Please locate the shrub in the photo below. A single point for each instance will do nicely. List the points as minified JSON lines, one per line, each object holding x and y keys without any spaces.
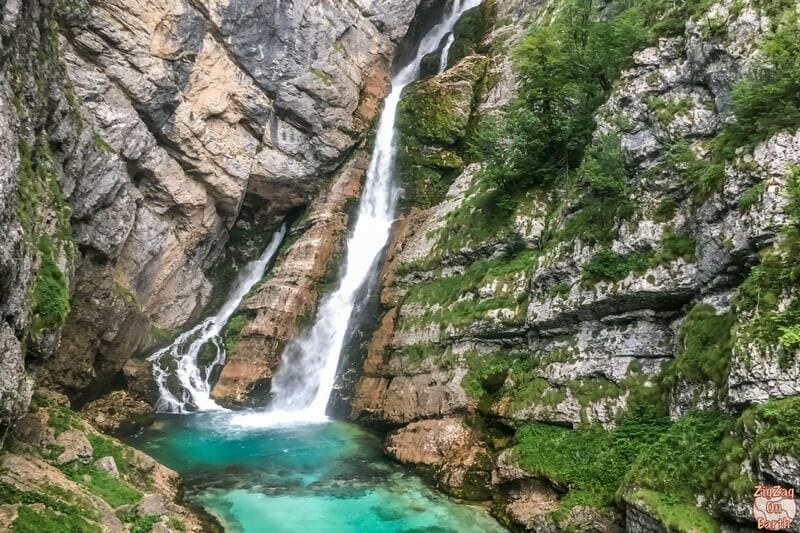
{"x":51,"y":293}
{"x":706,"y":343}
{"x":609,"y":266}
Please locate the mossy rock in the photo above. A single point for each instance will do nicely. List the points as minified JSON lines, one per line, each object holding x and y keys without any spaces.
{"x":437,"y":110}
{"x":469,"y":31}
{"x":430,"y":64}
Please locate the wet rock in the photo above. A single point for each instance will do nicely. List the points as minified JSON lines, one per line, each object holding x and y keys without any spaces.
{"x":450,"y":448}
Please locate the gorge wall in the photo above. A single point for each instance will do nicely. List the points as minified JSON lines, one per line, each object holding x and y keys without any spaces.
{"x":570,"y":332}
{"x":588,"y":310}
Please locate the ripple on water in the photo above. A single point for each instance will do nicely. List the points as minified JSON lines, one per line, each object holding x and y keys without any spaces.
{"x":304,"y":478}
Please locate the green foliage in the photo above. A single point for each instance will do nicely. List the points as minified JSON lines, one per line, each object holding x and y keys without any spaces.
{"x":701,"y":176}
{"x":566,"y":71}
{"x":591,"y":463}
{"x":176,"y":524}
{"x":606,"y":265}
{"x":105,"y":447}
{"x":773,"y":427}
{"x":665,"y":210}
{"x":609,"y":266}
{"x":666,"y":110}
{"x":751,"y":196}
{"x":234,"y":328}
{"x":674,"y":246}
{"x":706,"y":342}
{"x":674,"y":512}
{"x":469,"y":32}
{"x":768,"y":100}
{"x":51,"y":293}
{"x":61,"y":419}
{"x":761,"y":296}
{"x":445,"y":290}
{"x":685,"y":460}
{"x":58,"y":516}
{"x":322,"y":76}
{"x":35,"y":521}
{"x":139,"y":523}
{"x":113,"y":491}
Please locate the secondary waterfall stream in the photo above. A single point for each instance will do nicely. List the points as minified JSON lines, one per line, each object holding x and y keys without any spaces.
{"x":193,"y":377}
{"x":302,"y":386}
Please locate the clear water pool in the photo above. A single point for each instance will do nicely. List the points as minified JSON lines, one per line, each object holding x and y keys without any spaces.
{"x":329,"y":477}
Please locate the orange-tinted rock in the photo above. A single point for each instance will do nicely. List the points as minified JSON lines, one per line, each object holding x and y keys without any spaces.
{"x":291,"y":294}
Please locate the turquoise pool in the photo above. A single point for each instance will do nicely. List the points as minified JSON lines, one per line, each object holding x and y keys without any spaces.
{"x":329,"y":477}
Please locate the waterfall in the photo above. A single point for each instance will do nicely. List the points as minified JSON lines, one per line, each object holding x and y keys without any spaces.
{"x":446,"y":52}
{"x":183,"y":353}
{"x":302,"y":386}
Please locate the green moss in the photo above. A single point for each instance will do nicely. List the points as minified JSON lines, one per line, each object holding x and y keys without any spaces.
{"x":674,"y":513}
{"x":113,"y":491}
{"x":706,"y":343}
{"x":233,"y":329}
{"x":140,"y":523}
{"x":437,"y":111}
{"x":51,"y":294}
{"x":176,"y":524}
{"x":468,"y":33}
{"x":34,"y":521}
{"x":101,"y":144}
{"x":323,"y":76}
{"x":105,"y":447}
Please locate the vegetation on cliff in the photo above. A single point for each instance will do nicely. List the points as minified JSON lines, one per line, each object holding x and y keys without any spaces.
{"x":547,"y":145}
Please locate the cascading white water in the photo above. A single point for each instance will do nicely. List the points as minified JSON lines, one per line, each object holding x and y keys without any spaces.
{"x":446,"y":52}
{"x":184,"y":351}
{"x":302,"y":386}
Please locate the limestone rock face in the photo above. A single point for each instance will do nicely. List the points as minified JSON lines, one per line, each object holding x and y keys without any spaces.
{"x":450,"y":449}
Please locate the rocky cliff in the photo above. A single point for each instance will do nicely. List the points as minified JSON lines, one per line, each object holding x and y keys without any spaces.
{"x":593,"y":283}
{"x":589,"y":307}
{"x":139,"y":139}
